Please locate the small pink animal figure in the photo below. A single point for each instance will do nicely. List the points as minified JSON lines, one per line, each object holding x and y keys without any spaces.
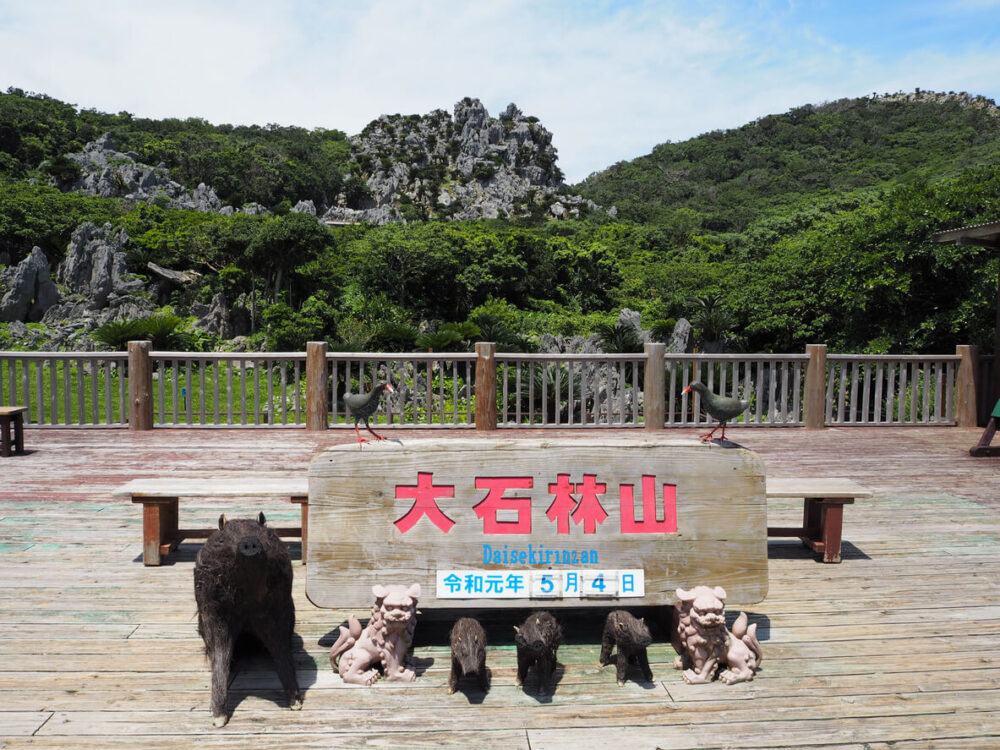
{"x":385,"y":641}
{"x":704,"y":643}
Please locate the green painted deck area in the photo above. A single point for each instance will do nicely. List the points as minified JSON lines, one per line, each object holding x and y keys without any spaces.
{"x":894,"y":647}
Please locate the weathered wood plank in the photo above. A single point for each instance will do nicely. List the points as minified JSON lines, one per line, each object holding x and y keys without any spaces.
{"x":237,"y":485}
{"x":797,"y":734}
{"x":21,"y":723}
{"x":402,"y":513}
{"x":330,"y":738}
{"x":794,"y":717}
{"x":891,"y":647}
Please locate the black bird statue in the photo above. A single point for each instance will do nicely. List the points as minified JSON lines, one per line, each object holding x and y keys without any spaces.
{"x":718,"y":407}
{"x":363,"y":405}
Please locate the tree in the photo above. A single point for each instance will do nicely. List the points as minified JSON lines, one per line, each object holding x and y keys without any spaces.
{"x":282,"y":244}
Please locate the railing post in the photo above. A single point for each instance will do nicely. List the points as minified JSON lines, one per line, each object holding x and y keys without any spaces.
{"x":486,"y":385}
{"x":653,"y":384}
{"x":140,"y":386}
{"x":815,"y":403}
{"x":316,"y":403}
{"x":966,"y":403}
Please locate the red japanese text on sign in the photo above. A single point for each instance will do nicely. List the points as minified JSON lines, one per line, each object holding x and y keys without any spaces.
{"x":425,"y":493}
{"x":648,"y":524}
{"x":590,"y":512}
{"x":563,"y":503}
{"x":587,"y":510}
{"x":578,"y":501}
{"x":496,"y":501}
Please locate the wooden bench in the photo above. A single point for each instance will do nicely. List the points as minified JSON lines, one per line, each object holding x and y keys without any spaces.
{"x":159,"y":498}
{"x":823,"y":514}
{"x":12,"y":419}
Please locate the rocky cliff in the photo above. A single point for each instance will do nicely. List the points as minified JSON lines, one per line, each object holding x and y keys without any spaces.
{"x":466,"y":166}
{"x":433,"y":166}
{"x":109,"y":173}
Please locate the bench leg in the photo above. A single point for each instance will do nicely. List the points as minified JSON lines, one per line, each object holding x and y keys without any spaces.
{"x":19,"y":433}
{"x":812,"y":524}
{"x":5,"y":435}
{"x":812,"y":518}
{"x":159,"y":527}
{"x":831,"y":530}
{"x":982,"y":448}
{"x":822,"y":522}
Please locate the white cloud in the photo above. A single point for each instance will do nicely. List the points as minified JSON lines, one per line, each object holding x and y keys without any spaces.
{"x":610,"y":79}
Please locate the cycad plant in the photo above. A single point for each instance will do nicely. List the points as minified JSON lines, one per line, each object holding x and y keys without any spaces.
{"x":618,"y":338}
{"x":161,"y":330}
{"x":711,"y":317}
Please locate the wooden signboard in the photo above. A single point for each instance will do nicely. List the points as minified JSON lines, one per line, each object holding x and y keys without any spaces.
{"x":589,"y":521}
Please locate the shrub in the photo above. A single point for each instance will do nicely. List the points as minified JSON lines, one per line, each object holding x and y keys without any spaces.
{"x":618,"y":338}
{"x":439,"y":341}
{"x":483,"y":171}
{"x":662,"y":329}
{"x":394,"y":337}
{"x":161,"y":330}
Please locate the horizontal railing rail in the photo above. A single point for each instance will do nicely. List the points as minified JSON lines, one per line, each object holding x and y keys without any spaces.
{"x":141,"y":389}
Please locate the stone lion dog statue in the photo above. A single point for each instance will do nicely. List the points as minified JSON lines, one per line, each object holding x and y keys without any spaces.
{"x":706,"y":646}
{"x":385,"y":641}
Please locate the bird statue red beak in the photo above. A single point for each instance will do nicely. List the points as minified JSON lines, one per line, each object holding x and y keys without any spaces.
{"x":686,"y":390}
{"x":388,"y":387}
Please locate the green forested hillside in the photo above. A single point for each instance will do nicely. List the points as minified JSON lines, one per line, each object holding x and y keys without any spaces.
{"x":809,"y":226}
{"x":724,"y":180}
{"x":266,"y":165}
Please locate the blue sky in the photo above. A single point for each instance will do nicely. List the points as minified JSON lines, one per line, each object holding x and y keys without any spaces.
{"x":609,"y":79}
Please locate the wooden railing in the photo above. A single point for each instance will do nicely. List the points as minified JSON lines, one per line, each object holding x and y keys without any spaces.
{"x":489,"y":390}
{"x":194,"y":389}
{"x":570,"y":390}
{"x":773,"y":384}
{"x":891,"y":389}
{"x":431,"y":390}
{"x":60,"y":388}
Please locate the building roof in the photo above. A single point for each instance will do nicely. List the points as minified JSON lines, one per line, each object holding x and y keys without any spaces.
{"x":985,"y":235}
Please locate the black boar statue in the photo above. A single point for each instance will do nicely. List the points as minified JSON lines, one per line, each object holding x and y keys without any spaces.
{"x":537,"y":640}
{"x":468,"y":654}
{"x":630,"y":637}
{"x":243,"y":584}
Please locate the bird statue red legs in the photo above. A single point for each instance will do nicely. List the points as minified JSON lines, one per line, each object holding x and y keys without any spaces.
{"x":363,"y":405}
{"x":369,"y":428}
{"x":707,"y":437}
{"x":718,"y":407}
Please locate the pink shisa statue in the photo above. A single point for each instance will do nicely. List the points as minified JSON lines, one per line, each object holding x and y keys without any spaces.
{"x":705,"y":646}
{"x":386,"y":640}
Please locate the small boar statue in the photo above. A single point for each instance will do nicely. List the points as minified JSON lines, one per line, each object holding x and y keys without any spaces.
{"x":631,"y":638}
{"x":384,"y":643}
{"x":468,"y":653}
{"x":706,"y":647}
{"x":243,"y":583}
{"x":537,"y":640}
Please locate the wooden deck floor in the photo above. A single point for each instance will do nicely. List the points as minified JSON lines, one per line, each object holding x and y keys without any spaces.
{"x":896,"y":647}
